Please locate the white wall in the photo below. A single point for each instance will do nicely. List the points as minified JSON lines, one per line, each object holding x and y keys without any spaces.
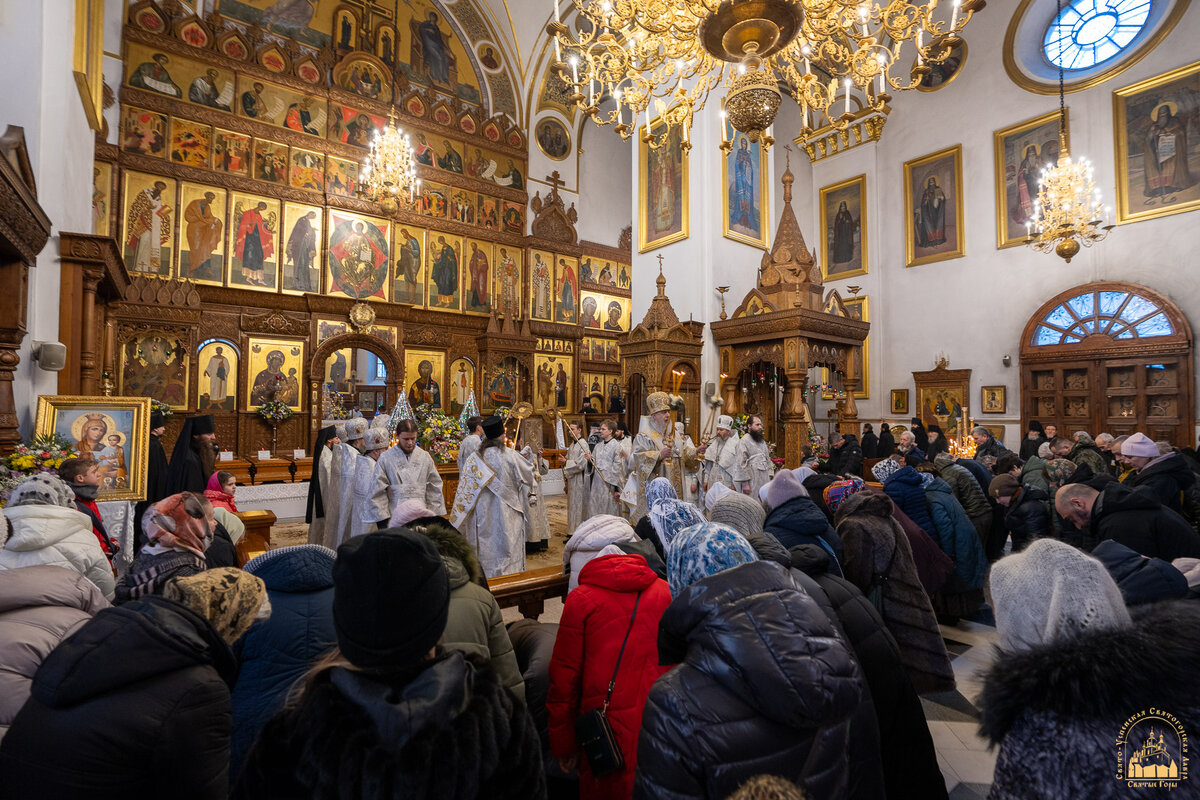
{"x":605,"y":182}
{"x":40,"y":95}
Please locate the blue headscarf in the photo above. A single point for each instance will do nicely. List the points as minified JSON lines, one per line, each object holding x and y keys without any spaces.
{"x":660,"y":489}
{"x":669,"y":517}
{"x":703,"y":550}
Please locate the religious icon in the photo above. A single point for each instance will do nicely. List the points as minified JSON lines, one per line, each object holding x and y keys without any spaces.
{"x":1022,"y":151}
{"x":211,"y":90}
{"x":566,"y":290}
{"x":218,"y":363}
{"x":1158,"y":145}
{"x":462,"y":380}
{"x":507,"y":291}
{"x":253,"y":229}
{"x":202,"y":245}
{"x":354,"y":127}
{"x":942,"y":405}
{"x":994,"y":399}
{"x":432,"y":201}
{"x":662,"y":190}
{"x":553,"y":139}
{"x":746,"y":193}
{"x":941,"y":73}
{"x":102,"y":175}
{"x":302,"y":241}
{"x":623,"y":277}
{"x":489,"y":215}
{"x":153,"y":74}
{"x":445,"y":258}
{"x":899,"y":401}
{"x":149,"y":206}
{"x":345,"y":30}
{"x":155,"y":364}
{"x":341,"y":177}
{"x":358,"y":255}
{"x":511,"y":177}
{"x":231,"y":152}
{"x":423,"y":372}
{"x":615,"y":311}
{"x":337,"y":370}
{"x":111,"y":431}
{"x":385,"y":45}
{"x":462,"y":206}
{"x":589,"y":310}
{"x":430,"y":56}
{"x":409,"y":286}
{"x":275,"y":370}
{"x":144,"y":132}
{"x":844,"y":229}
{"x":553,"y":382}
{"x":611,"y":351}
{"x":364,"y":76}
{"x":190,"y":143}
{"x":307,"y":170}
{"x":270,"y":161}
{"x":541,"y":302}
{"x":514,"y":218}
{"x":933,"y":207}
{"x":450,"y":159}
{"x":477,"y":278}
{"x":488,"y":57}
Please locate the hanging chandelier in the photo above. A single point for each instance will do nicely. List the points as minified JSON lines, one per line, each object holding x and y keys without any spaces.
{"x":389,"y":171}
{"x":1068,"y":213}
{"x":666,"y":56}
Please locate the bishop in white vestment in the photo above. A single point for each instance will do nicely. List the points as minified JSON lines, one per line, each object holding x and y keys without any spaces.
{"x":657,"y":453}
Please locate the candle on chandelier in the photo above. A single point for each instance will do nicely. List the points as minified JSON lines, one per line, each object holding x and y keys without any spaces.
{"x":557,"y":13}
{"x":803,"y":113}
{"x":954,"y":17}
{"x":920,"y":59}
{"x":723,"y":139}
{"x":647,"y":118}
{"x":574,"y":69}
{"x":847,"y":95}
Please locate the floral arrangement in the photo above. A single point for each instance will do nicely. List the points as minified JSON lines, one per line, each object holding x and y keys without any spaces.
{"x":42,"y":454}
{"x":818,"y":445}
{"x":162,"y":408}
{"x":439,"y":434}
{"x":275,"y":412}
{"x":339,"y":412}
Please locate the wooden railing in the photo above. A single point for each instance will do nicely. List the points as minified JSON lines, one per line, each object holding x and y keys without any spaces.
{"x":530,"y":590}
{"x":257,"y":538}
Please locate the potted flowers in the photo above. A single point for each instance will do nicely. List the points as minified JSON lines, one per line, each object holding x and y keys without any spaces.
{"x":274,"y":412}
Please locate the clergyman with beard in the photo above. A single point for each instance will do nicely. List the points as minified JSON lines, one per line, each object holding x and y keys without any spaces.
{"x":195,"y":456}
{"x":658,"y":451}
{"x":752,"y":465}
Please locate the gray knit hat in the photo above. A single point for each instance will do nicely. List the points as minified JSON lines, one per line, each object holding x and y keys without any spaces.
{"x":740,"y":512}
{"x":1051,"y":591}
{"x":42,"y":489}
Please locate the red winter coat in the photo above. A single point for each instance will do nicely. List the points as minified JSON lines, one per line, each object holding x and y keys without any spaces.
{"x":594,"y":621}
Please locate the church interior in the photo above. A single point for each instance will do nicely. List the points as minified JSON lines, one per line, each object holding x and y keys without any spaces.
{"x":793,"y":230}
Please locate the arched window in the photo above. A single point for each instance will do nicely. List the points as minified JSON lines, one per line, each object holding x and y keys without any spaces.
{"x":1088,"y":32}
{"x":1119,"y":314}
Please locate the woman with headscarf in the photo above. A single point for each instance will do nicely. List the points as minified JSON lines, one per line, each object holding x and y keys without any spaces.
{"x":592,"y":536}
{"x":179,"y":531}
{"x":746,"y":516}
{"x":793,"y":518}
{"x":764,"y":684}
{"x":1074,"y":665}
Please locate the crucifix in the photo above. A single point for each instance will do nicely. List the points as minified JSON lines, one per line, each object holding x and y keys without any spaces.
{"x":555,"y":182}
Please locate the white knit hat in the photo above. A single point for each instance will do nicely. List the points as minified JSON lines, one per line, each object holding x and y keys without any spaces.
{"x":715,"y":493}
{"x":1052,"y":591}
{"x":1140,"y":445}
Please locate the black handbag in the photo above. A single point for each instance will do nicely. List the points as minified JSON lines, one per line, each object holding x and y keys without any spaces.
{"x":592,"y":729}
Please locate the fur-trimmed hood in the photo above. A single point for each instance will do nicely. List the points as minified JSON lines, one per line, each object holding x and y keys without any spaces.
{"x":1107,"y":675}
{"x":452,"y":545}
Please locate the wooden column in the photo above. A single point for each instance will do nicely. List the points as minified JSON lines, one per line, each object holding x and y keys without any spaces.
{"x":92,"y":272}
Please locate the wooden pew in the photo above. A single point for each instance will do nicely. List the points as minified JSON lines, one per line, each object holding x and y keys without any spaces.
{"x":257,"y":539}
{"x":530,"y":590}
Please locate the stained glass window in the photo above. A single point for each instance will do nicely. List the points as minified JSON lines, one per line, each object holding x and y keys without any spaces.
{"x":1121,"y":315}
{"x":1088,"y":32}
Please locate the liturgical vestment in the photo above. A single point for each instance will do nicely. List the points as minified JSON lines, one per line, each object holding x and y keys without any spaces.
{"x":753,"y":465}
{"x":577,"y":473}
{"x":498,"y":524}
{"x":406,"y":477}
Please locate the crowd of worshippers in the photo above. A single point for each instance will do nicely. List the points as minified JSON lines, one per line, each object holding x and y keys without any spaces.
{"x":773,"y":643}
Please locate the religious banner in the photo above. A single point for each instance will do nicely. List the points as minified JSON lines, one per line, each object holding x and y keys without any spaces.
{"x":231,"y":152}
{"x":191,"y":143}
{"x":541,"y":282}
{"x":462,"y":381}
{"x":844,"y":229}
{"x":202,"y":242}
{"x":553,"y":382}
{"x":477,"y":277}
{"x":662,"y":189}
{"x":1022,"y":151}
{"x":148,"y":223}
{"x":253,"y":242}
{"x":275,"y":369}
{"x":506,"y":292}
{"x":566,"y":289}
{"x":302,"y":245}
{"x":155,"y":364}
{"x":444,"y":259}
{"x":218,"y":376}
{"x":358,"y":255}
{"x":409,"y":286}
{"x":933,"y":208}
{"x":746,"y":195}
{"x":424,"y":373}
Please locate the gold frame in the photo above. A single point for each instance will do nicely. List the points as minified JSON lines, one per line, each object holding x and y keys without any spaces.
{"x":88,"y":60}
{"x":412,"y":358}
{"x":910,"y":246}
{"x":171,"y":195}
{"x":961,"y":66}
{"x":893,"y":407}
{"x":1037,"y":87}
{"x":1121,"y":147}
{"x":49,"y":406}
{"x":764,"y":202}
{"x":643,"y":177}
{"x":1001,"y":390}
{"x":861,"y":180}
{"x":250,"y":363}
{"x":570,"y":144}
{"x":1002,"y":239}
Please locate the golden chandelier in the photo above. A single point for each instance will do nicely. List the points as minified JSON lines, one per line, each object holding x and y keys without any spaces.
{"x":389,"y":170}
{"x":666,"y":56}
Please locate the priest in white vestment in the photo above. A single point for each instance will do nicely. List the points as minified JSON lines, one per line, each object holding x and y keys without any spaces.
{"x":657,"y":452}
{"x":471,"y":441}
{"x":491,"y":506}
{"x":406,"y":472}
{"x":719,"y":454}
{"x":341,"y":511}
{"x":608,"y":460}
{"x":753,"y":468}
{"x":318,"y":482}
{"x":375,"y":443}
{"x":577,"y":473}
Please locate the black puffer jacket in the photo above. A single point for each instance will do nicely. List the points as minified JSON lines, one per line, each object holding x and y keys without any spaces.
{"x":1028,"y":516}
{"x":764,"y":685}
{"x":887,"y":444}
{"x":1164,"y":480}
{"x":1140,"y":523}
{"x":847,"y":459}
{"x":135,"y":704}
{"x":1141,"y":580}
{"x":799,"y":521}
{"x":870,"y":443}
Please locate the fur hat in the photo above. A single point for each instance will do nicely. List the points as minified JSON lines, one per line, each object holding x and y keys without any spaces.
{"x":1003,"y":486}
{"x":885,"y":469}
{"x":725,"y":422}
{"x":783,"y":487}
{"x":376,"y":439}
{"x":1051,"y":591}
{"x":740,"y":512}
{"x":1139,"y":445}
{"x":355,"y":429}
{"x":703,"y":550}
{"x":658,"y":401}
{"x":391,"y":598}
{"x":42,"y":489}
{"x":229,"y":598}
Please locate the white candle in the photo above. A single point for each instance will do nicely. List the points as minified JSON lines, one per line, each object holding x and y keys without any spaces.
{"x":647,"y":119}
{"x":807,"y":68}
{"x":920,"y":60}
{"x":574,"y":69}
{"x":557,"y":13}
{"x":686,"y":129}
{"x":804,"y":113}
{"x":722,"y":126}
{"x":847,"y":95}
{"x":591,"y":92}
{"x":954,"y":17}
{"x":557,"y":49}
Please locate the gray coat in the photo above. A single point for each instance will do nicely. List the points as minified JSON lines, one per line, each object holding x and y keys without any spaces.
{"x":965,"y":487}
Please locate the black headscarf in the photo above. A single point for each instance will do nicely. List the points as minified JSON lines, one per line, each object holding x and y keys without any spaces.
{"x":316,"y":503}
{"x":186,"y":473}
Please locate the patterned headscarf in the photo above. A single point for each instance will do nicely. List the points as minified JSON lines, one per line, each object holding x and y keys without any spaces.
{"x":703,"y":550}
{"x":885,"y":469}
{"x":229,"y":598}
{"x":179,"y":521}
{"x":1058,"y":470}
{"x":669,"y":517}
{"x":926,"y":479}
{"x":660,"y":489}
{"x":841,"y":491}
{"x":43,"y":489}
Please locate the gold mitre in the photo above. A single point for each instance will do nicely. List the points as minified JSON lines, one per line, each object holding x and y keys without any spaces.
{"x":658,"y":401}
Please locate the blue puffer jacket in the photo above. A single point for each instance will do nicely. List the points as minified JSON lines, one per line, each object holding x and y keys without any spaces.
{"x":956,"y":535}
{"x":908,"y":493}
{"x":277,"y":651}
{"x":799,"y":521}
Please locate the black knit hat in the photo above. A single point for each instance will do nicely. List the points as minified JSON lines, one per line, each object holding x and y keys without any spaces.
{"x":493,"y":427}
{"x":156,"y":420}
{"x":391,"y":598}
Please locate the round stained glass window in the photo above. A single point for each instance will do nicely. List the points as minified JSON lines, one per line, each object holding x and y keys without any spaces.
{"x":1089,"y":32}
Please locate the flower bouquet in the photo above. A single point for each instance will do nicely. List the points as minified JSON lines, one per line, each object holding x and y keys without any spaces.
{"x":275,"y":412}
{"x":42,"y":454}
{"x":163,"y":409}
{"x":439,"y":434}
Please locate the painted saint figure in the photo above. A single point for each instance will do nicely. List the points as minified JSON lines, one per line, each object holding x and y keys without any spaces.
{"x":510,"y":285}
{"x":567,"y":289}
{"x":153,"y":76}
{"x":205,"y":92}
{"x":1166,"y":153}
{"x":203,"y":237}
{"x":435,"y":53}
{"x":425,"y":389}
{"x":445,"y":272}
{"x":217,"y":372}
{"x":270,"y":380}
{"x":149,"y":227}
{"x":741,"y":208}
{"x":843,"y":235}
{"x":931,"y":231}
{"x":255,"y":244}
{"x":301,"y":250}
{"x":478,"y":271}
{"x":542,"y":305}
{"x":408,"y":268}
{"x":451,"y":160}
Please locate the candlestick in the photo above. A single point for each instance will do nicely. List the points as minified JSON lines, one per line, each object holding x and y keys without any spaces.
{"x":574,"y":69}
{"x":647,"y":119}
{"x":804,"y":113}
{"x":557,"y":48}
{"x":723,"y":140}
{"x":920,"y":60}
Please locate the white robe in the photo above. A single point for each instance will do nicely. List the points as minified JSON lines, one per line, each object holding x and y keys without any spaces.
{"x":577,"y":473}
{"x":648,"y":462}
{"x":753,"y":465}
{"x":466,"y":447}
{"x":539,"y":526}
{"x":316,"y":528}
{"x":719,"y":460}
{"x":364,"y":487}
{"x":400,"y":477}
{"x":609,"y":477}
{"x":497,"y":526}
{"x":340,"y":510}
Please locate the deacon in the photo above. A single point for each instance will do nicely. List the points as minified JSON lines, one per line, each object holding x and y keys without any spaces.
{"x":719,"y":454}
{"x":657,"y":452}
{"x":318,"y":480}
{"x":752,"y":466}
{"x":406,"y":472}
{"x":194,"y":458}
{"x":693,"y":468}
{"x":375,"y":441}
{"x":608,"y":460}
{"x":577,"y":473}
{"x":491,"y":507}
{"x":471,"y":441}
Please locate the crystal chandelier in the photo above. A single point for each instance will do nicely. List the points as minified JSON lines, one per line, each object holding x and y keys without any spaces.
{"x":1068,"y":213}
{"x":389,"y":171}
{"x":668,"y":55}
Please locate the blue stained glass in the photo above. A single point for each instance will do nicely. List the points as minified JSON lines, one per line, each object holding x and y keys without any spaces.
{"x":1046,"y":335}
{"x":1083,"y":305}
{"x":1089,"y":32}
{"x":1158,"y":325}
{"x":1078,"y":331}
{"x":1071,"y":339}
{"x":1061,"y":317}
{"x":1136,"y":308}
{"x":1111,"y":301}
{"x":1127,"y":334}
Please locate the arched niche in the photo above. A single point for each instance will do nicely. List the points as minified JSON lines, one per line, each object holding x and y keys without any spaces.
{"x":1112,"y":357}
{"x":361,"y":341}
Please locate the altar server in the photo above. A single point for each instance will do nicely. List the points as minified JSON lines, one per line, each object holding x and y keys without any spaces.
{"x":406,"y":472}
{"x":578,"y":474}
